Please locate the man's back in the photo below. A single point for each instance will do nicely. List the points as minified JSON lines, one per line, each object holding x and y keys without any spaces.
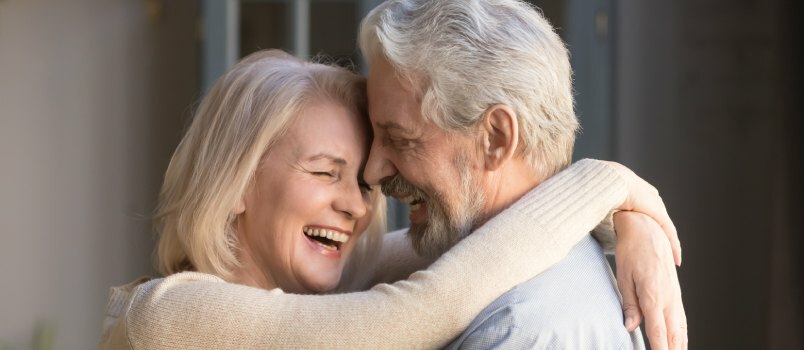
{"x":573,"y":305}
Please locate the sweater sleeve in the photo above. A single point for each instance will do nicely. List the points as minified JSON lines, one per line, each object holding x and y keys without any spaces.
{"x":431,"y":307}
{"x":605,"y":233}
{"x":396,"y":261}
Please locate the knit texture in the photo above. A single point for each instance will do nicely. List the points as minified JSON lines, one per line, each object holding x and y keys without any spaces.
{"x":192,"y":310}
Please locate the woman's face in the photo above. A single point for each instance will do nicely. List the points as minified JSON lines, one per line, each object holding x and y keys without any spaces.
{"x":307,"y":205}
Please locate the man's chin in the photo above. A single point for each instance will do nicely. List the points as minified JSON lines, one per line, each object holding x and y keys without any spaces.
{"x":431,"y":242}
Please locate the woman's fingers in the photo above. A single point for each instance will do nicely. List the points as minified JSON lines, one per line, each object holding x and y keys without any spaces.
{"x":650,"y":290}
{"x":655,"y":327}
{"x":646,"y":273}
{"x":676,"y":320}
{"x":633,"y":317}
{"x":669,"y":229}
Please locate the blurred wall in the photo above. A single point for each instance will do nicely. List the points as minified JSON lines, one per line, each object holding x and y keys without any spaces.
{"x":93,"y":95}
{"x":704,"y":110}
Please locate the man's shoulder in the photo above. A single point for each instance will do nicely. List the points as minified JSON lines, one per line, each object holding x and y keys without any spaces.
{"x":577,"y":292}
{"x":575,"y":302}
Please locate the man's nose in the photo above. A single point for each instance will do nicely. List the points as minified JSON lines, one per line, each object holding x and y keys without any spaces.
{"x":378,"y":166}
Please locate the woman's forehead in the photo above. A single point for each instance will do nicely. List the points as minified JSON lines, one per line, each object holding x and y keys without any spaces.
{"x":328,"y":131}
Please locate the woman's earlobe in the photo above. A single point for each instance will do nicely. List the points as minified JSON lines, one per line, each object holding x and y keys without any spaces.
{"x":240,"y":207}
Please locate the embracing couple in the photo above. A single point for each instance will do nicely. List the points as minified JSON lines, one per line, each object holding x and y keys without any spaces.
{"x":271,"y":216}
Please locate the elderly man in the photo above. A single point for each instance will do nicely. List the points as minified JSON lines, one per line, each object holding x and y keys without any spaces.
{"x":471,"y":106}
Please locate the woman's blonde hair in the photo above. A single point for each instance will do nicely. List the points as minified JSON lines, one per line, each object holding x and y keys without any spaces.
{"x":246,"y":112}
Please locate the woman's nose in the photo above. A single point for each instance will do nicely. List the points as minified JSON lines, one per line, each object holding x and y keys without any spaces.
{"x":352,"y":203}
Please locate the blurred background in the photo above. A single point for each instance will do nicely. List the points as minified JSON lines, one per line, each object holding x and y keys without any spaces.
{"x":700,"y":97}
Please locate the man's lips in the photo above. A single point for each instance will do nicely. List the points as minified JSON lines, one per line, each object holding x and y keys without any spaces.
{"x":409,"y":200}
{"x":417,"y":206}
{"x":418,"y":212}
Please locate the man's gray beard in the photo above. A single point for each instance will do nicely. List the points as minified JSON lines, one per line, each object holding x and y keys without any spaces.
{"x":442,"y":229}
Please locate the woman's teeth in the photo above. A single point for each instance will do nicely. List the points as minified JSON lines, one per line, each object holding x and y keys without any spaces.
{"x":328,"y":234}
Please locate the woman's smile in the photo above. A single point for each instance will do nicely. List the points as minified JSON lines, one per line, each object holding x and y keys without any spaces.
{"x":327,"y":241}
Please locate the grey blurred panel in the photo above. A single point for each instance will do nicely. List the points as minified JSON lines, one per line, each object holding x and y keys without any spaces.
{"x":221,"y":38}
{"x":368,"y":5}
{"x":300,"y":28}
{"x":365,"y":7}
{"x":587,"y":32}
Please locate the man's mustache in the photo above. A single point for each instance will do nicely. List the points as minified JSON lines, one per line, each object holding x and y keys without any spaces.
{"x":397,"y":185}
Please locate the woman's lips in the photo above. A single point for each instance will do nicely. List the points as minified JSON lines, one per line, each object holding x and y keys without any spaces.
{"x":326,"y":240}
{"x":322,"y":248}
{"x":334,"y":235}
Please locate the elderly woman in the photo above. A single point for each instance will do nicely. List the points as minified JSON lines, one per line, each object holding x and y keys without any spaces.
{"x":263,"y":206}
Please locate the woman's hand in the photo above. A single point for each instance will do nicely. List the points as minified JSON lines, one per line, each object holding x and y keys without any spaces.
{"x":644,"y":198}
{"x":648,"y":281}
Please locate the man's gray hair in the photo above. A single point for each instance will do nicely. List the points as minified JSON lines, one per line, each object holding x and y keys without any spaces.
{"x":464,"y":56}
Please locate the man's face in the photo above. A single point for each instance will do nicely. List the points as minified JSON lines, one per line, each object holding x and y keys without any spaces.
{"x":415,"y":161}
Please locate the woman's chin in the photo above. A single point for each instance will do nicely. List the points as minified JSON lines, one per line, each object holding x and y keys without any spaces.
{"x":321,"y":282}
{"x":320,"y":287}
{"x":321,"y":273}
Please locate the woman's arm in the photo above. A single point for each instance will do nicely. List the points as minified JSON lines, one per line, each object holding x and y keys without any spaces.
{"x":432,"y":306}
{"x":397,"y":260}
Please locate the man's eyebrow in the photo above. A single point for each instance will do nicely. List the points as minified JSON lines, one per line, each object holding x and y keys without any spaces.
{"x":332,"y":158}
{"x":392,"y":125}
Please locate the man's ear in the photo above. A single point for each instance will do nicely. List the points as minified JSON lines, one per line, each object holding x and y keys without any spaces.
{"x":500,"y":135}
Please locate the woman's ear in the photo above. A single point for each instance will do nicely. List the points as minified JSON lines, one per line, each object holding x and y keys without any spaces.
{"x":240,"y":206}
{"x":500,"y":135}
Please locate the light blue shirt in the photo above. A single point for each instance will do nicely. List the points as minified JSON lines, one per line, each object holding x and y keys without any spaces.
{"x":572,"y":305}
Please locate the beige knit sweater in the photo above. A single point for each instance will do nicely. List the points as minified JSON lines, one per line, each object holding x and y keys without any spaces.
{"x":193,"y":310}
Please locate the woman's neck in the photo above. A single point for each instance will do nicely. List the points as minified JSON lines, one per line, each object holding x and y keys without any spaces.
{"x":250,"y":274}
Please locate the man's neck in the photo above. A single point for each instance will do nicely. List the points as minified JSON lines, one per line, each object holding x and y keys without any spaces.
{"x":505,"y":186}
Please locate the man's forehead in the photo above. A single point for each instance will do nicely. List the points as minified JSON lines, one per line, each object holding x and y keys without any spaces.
{"x":392,"y":105}
{"x":391,"y":119}
{"x":380,"y":70}
{"x":383,"y":77}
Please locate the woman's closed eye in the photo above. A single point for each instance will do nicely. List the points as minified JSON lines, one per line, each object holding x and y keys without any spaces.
{"x":364,"y":187}
{"x":324,"y":173}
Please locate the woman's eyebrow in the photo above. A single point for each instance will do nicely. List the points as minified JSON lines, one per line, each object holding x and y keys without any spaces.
{"x":332,"y":158}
